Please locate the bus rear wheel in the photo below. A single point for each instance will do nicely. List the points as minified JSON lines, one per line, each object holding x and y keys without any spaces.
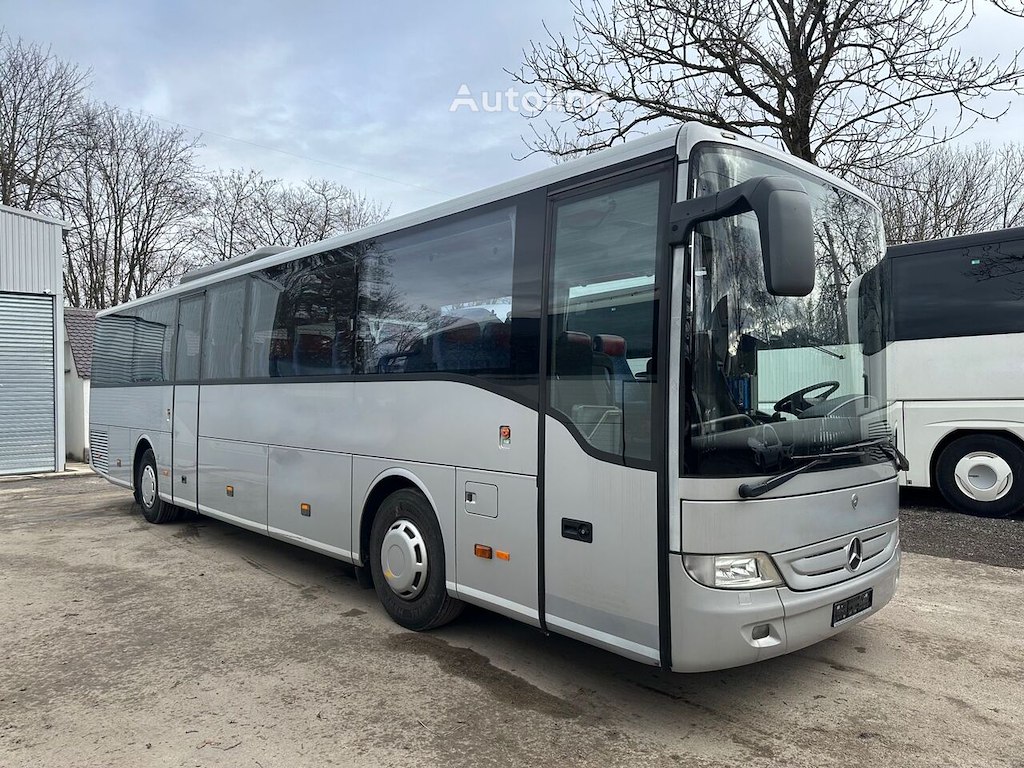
{"x":407,"y":563}
{"x":147,"y":490}
{"x":982,"y":475}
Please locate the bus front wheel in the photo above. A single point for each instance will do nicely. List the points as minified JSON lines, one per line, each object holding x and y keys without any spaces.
{"x":147,"y":491}
{"x":982,"y":475}
{"x":407,"y":563}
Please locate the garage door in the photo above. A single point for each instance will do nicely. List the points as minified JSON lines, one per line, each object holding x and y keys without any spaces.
{"x":27,"y":423}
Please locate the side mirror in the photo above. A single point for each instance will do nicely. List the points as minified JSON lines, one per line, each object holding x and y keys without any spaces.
{"x":784,"y":219}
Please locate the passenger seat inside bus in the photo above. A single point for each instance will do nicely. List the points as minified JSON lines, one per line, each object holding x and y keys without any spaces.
{"x":581,"y":388}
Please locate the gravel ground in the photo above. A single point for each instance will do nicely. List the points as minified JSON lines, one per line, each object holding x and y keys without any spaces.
{"x":929,"y":526}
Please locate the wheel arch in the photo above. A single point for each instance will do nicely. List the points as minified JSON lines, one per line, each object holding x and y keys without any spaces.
{"x":382,"y":486}
{"x":142,"y":445}
{"x":955,"y":435}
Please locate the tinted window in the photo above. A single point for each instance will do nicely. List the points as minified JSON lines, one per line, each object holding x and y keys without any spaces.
{"x":135,"y":346}
{"x":870,"y":308}
{"x":964,"y":292}
{"x":439,"y":299}
{"x":154,"y":341}
{"x":112,"y":350}
{"x":302,"y":318}
{"x":190,"y":326}
{"x":604,"y":316}
{"x":222,"y":337}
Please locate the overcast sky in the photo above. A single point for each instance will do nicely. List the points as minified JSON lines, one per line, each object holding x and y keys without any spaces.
{"x":359,"y":92}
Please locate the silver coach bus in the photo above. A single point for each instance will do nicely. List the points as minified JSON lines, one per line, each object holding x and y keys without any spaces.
{"x":543,"y":399}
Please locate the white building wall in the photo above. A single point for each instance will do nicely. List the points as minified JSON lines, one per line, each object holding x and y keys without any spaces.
{"x":76,"y":409}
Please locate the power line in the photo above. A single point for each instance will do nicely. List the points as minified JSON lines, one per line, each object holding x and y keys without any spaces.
{"x":285,"y":152}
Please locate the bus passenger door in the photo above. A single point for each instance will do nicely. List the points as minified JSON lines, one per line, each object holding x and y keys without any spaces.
{"x":604,"y":439}
{"x":185,"y":420}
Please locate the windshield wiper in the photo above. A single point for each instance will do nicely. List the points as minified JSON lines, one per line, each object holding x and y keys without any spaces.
{"x":751,"y":490}
{"x":886,"y":446}
{"x":828,"y":351}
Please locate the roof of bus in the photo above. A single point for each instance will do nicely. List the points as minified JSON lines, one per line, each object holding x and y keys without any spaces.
{"x":685,"y":133}
{"x":949,"y":243}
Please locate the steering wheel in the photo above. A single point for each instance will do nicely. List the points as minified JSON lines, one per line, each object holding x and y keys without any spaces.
{"x":798,"y":402}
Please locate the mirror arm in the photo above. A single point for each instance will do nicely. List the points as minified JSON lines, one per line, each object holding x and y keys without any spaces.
{"x":688,"y":214}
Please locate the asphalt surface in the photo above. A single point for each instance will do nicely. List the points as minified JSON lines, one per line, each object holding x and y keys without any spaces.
{"x":201,"y":644}
{"x":929,"y":526}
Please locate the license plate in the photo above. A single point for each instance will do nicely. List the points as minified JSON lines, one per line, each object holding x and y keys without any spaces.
{"x":851,"y":606}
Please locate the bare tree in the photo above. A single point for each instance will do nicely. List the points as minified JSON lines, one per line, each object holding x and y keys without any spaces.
{"x":39,"y":100}
{"x":245,"y":210}
{"x":952,"y":191}
{"x":850,"y":85}
{"x":131,"y":196}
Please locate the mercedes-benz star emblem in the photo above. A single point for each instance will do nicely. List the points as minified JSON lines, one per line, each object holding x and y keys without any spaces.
{"x":854,"y":500}
{"x":854,"y":555}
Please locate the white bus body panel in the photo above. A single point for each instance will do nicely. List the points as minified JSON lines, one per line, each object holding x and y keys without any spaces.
{"x":716,"y":630}
{"x":945,"y":385}
{"x":437,"y":422}
{"x":604,"y":591}
{"x":185,"y":445}
{"x":126,"y":415}
{"x":498,"y":510}
{"x":323,"y":481}
{"x":924,"y":425}
{"x":233,"y":480}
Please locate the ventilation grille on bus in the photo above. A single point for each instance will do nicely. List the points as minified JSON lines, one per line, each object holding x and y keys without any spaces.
{"x":99,"y":450}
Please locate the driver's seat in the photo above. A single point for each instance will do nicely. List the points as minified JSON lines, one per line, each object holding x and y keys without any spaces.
{"x":711,"y":355}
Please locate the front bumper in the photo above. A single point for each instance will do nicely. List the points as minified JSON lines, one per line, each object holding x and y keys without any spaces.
{"x":712,"y":628}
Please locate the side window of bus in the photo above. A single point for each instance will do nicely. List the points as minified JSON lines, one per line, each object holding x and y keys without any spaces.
{"x":438,"y":299}
{"x":603,"y":320}
{"x":154,"y":328}
{"x":302,"y":318}
{"x":135,"y":346}
{"x":963,"y":292}
{"x":222,"y":337}
{"x":189,"y":341}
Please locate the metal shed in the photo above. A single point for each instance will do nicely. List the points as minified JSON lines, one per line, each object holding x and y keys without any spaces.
{"x":31,"y":342}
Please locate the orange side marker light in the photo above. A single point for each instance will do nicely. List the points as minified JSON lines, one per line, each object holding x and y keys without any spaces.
{"x":501,"y":555}
{"x":482,"y":550}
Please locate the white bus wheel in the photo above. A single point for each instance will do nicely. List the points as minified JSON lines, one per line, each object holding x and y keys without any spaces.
{"x":982,"y":474}
{"x":407,"y":563}
{"x":147,"y":491}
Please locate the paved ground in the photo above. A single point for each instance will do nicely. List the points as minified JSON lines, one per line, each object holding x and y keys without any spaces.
{"x":199,"y":644}
{"x":929,"y":526}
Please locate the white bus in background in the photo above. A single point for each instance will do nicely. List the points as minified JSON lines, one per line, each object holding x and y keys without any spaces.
{"x":953,"y":338}
{"x":537,"y":399}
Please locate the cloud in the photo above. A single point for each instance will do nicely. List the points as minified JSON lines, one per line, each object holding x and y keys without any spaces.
{"x":359,"y":93}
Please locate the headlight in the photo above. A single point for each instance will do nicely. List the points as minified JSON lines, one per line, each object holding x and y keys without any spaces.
{"x":750,"y":570}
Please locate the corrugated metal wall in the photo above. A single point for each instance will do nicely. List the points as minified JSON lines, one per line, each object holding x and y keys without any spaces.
{"x":783,"y":371}
{"x":27,"y":384}
{"x":32,"y":330}
{"x":31,"y":253}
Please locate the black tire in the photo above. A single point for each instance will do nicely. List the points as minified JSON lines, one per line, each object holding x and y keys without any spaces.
{"x":990,"y":450}
{"x":423,"y":603}
{"x":147,"y":492}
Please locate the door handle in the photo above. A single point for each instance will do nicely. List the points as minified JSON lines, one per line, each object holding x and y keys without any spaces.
{"x":577,"y":530}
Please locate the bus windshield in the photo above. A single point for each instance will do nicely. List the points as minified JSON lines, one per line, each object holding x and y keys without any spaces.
{"x":777,"y":382}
